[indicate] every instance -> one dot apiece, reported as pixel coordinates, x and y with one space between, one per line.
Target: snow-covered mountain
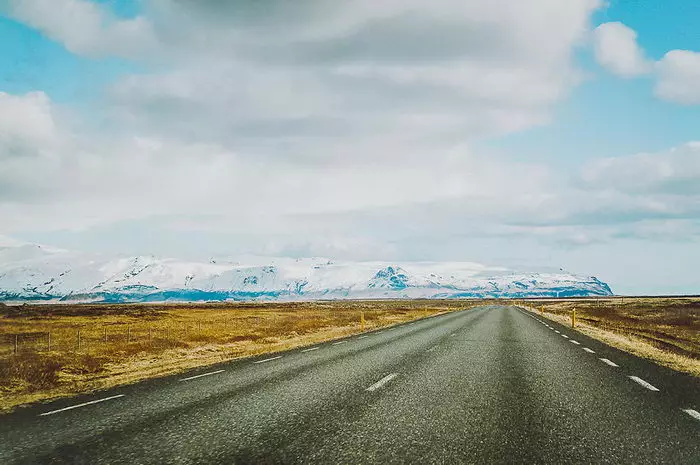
31 272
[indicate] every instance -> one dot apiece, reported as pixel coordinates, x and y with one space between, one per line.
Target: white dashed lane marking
81 405
269 359
609 362
362 337
693 413
641 382
574 342
590 351
379 384
202 375
565 336
310 349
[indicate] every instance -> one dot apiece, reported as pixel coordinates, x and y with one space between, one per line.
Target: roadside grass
664 330
50 351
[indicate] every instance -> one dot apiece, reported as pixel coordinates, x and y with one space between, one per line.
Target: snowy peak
390 278
29 272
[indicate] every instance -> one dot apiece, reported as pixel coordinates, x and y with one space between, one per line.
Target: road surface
488 385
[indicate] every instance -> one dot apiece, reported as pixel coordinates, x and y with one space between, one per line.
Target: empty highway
488 385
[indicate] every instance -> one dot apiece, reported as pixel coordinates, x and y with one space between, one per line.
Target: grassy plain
49 351
663 329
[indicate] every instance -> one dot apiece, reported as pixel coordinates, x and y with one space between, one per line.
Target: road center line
590 351
80 405
693 413
310 349
269 359
608 362
641 382
381 382
203 374
574 342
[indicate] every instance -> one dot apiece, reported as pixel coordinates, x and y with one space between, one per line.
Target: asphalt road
489 385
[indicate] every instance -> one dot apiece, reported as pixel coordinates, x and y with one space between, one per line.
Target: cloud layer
336 128
676 74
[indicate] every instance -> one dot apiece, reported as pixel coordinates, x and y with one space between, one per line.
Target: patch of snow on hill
31 272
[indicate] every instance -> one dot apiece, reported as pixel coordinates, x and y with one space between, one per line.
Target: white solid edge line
574 342
203 374
80 405
693 413
590 351
310 349
268 359
641 382
609 362
381 382
339 342
362 337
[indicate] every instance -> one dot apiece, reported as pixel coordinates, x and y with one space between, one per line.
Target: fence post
105 330
362 320
49 333
128 334
16 343
573 318
150 336
78 338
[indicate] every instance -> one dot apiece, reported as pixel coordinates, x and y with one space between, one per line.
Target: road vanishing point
495 384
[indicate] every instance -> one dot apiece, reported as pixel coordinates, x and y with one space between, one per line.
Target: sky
532 134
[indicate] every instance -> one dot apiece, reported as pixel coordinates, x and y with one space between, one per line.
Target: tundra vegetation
54 350
49 351
663 329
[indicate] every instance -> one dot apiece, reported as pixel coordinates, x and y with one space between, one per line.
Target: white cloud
85 27
677 73
616 49
675 171
25 121
679 77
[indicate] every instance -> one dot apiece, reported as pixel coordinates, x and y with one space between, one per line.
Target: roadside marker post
573 319
362 320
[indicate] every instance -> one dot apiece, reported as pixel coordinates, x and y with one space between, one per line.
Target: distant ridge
30 272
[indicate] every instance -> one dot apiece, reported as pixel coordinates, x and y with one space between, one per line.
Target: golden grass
95 347
664 330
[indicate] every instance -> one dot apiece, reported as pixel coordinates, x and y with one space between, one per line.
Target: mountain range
33 272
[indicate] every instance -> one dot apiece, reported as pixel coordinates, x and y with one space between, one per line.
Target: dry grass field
49 351
663 329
